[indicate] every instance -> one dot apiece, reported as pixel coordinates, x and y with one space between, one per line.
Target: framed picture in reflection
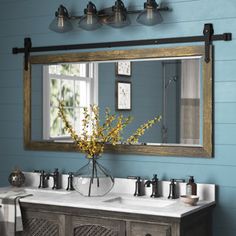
123 96
123 68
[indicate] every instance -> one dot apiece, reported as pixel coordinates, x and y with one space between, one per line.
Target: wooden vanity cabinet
48 220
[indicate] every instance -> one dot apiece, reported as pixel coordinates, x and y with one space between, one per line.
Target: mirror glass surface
169 87
175 83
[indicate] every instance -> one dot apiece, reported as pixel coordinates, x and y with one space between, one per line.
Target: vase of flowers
94 179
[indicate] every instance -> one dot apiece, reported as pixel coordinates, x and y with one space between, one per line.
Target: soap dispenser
191 187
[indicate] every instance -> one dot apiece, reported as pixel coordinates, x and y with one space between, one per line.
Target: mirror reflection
141 88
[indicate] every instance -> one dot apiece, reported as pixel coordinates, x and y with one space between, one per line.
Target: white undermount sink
45 191
140 202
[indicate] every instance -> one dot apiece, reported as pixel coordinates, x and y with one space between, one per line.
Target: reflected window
74 83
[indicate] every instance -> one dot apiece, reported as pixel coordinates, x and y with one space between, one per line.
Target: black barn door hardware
208 37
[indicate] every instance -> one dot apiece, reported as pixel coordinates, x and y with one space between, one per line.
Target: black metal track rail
207 37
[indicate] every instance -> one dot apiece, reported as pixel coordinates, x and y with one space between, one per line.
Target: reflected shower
172 79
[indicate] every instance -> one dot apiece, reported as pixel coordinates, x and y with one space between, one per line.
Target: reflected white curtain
190 102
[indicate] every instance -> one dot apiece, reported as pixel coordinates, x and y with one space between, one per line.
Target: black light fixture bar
102 13
207 37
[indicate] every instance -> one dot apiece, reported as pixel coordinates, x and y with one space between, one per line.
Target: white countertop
173 208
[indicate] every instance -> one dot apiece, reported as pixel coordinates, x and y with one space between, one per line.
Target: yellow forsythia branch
109 132
141 130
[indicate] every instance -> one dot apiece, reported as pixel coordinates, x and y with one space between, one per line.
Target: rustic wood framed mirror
173 82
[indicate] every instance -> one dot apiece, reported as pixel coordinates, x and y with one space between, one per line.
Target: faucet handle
70 186
43 177
56 179
155 178
172 191
138 187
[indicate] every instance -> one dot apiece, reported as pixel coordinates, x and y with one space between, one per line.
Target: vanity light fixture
90 20
150 15
115 16
61 23
118 18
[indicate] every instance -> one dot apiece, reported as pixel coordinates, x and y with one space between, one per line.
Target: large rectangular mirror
175 83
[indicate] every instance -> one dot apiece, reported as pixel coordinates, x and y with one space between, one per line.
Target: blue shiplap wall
23 18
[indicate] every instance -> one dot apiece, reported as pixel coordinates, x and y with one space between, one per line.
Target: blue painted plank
225 134
224 155
11 62
8 98
225 50
4 179
225 71
11 112
225 197
10 146
26 163
225 91
11 78
11 129
225 112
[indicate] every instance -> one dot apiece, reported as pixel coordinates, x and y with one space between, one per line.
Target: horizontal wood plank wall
30 18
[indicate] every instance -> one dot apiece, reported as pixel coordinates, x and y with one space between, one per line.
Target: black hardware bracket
28 46
208 37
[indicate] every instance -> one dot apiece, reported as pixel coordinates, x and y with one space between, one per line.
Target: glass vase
93 179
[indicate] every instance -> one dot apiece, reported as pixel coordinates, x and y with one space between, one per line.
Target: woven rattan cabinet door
89 226
43 224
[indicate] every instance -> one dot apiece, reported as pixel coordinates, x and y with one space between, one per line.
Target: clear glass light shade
149 16
118 20
89 22
61 24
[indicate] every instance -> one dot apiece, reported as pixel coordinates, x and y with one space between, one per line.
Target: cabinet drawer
149 229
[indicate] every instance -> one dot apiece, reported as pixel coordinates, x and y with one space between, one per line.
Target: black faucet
44 177
43 183
173 188
70 186
172 191
138 187
154 183
56 179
